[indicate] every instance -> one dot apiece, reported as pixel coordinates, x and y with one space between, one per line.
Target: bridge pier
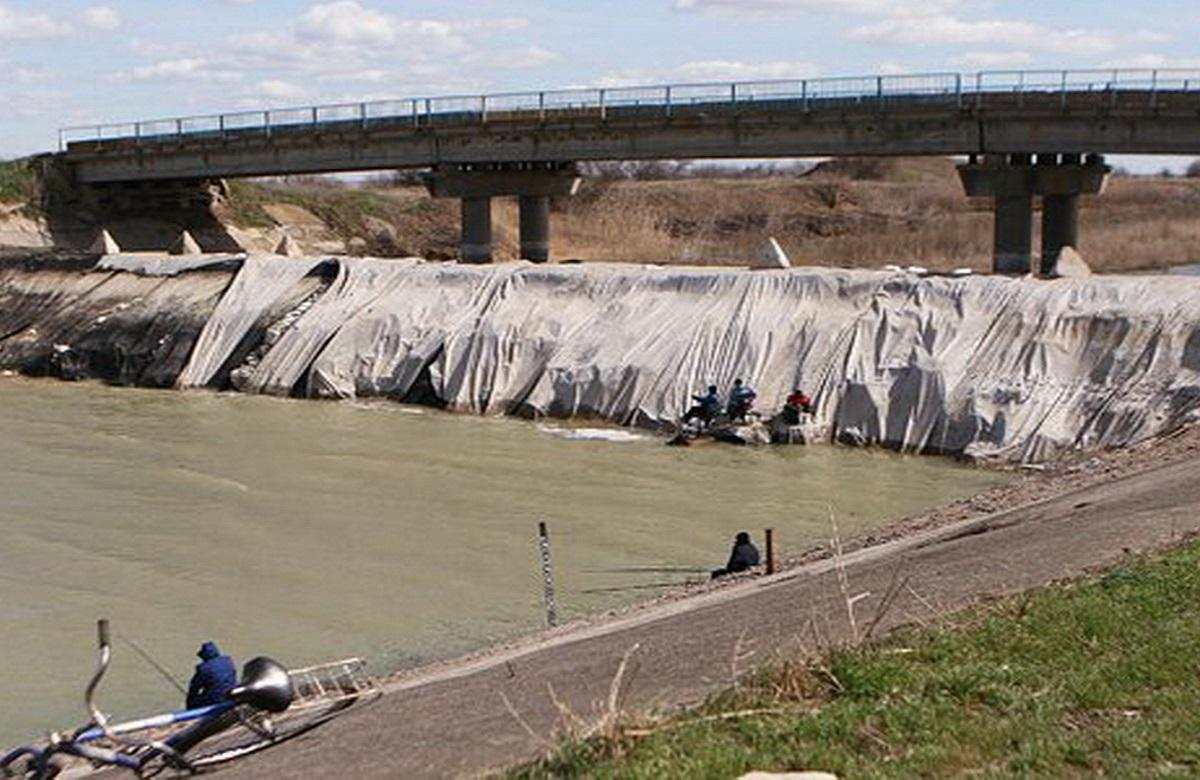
476 243
1012 181
535 227
532 183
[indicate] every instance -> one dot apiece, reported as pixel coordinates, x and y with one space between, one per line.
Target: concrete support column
533 183
476 244
535 227
1008 182
1012 240
1060 229
1012 182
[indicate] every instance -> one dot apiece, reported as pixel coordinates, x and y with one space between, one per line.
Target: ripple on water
310 531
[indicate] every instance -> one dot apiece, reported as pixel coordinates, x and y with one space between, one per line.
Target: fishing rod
162 670
650 586
648 570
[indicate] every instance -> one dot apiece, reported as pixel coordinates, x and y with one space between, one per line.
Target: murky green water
309 531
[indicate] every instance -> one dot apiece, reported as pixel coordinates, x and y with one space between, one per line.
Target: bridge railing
650 102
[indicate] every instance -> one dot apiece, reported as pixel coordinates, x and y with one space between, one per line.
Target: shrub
17 181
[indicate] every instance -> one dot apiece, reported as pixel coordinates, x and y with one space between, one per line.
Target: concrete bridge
1025 134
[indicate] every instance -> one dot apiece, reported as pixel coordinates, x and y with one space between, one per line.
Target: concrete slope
460 721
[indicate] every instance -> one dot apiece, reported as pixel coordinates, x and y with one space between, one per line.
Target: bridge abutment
533 184
1012 182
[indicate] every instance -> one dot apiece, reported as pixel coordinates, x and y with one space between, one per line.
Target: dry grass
851 213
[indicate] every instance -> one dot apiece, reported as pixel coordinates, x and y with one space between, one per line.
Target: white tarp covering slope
261 281
999 367
358 283
155 264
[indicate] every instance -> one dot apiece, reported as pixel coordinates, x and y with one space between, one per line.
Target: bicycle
271 705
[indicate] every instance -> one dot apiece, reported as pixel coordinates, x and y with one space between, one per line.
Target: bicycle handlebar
98 717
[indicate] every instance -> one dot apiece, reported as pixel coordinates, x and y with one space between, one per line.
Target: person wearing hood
743 557
215 677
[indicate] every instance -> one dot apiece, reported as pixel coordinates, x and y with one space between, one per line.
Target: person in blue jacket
741 398
215 677
707 407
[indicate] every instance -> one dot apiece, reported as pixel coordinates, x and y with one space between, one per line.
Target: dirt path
486 713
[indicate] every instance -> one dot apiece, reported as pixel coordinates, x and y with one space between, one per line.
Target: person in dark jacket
741 398
215 677
707 407
743 557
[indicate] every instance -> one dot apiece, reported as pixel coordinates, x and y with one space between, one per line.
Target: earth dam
398 532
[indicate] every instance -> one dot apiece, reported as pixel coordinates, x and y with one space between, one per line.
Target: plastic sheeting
1012 369
262 281
153 264
358 283
994 367
120 327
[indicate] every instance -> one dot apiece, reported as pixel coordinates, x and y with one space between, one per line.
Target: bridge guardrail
660 101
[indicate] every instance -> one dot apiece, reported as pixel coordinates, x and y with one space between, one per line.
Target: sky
70 62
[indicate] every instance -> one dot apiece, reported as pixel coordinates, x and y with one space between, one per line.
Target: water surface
310 531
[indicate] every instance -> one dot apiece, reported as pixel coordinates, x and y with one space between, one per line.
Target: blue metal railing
660 101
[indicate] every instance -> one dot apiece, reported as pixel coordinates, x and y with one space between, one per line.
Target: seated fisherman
797 404
215 677
707 407
741 398
743 557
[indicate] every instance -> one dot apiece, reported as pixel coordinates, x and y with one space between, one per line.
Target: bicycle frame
266 687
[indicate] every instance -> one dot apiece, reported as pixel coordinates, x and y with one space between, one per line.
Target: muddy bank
1006 369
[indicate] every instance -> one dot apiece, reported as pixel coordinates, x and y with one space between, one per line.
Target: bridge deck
935 114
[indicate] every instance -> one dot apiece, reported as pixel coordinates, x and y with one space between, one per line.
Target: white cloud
706 71
102 17
994 59
29 75
1153 61
529 57
945 30
860 7
17 25
278 89
729 70
348 23
184 69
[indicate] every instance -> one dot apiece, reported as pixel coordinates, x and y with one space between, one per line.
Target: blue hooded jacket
215 677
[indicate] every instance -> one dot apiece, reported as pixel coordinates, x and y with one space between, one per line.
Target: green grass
1099 677
17 181
344 210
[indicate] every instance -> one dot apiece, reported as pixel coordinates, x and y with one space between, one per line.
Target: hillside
850 213
844 213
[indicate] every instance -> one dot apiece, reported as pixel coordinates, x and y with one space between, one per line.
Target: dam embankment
1014 370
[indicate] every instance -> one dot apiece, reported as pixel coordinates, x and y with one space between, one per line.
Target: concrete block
772 256
288 247
105 244
186 245
1071 264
